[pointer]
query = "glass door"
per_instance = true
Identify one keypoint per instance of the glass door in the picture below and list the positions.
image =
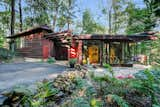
(115, 53)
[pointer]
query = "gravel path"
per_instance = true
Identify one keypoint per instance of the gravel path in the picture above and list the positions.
(27, 73)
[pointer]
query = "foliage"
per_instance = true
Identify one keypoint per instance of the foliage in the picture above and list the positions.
(2, 40)
(72, 61)
(80, 102)
(154, 47)
(5, 54)
(89, 24)
(109, 69)
(148, 84)
(118, 100)
(51, 60)
(80, 90)
(153, 6)
(141, 20)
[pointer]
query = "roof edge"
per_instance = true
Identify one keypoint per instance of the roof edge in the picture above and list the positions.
(31, 30)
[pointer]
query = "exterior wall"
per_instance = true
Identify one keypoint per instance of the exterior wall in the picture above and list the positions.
(102, 54)
(61, 52)
(34, 46)
(47, 48)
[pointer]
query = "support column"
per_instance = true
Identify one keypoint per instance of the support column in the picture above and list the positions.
(109, 52)
(123, 51)
(79, 51)
(101, 53)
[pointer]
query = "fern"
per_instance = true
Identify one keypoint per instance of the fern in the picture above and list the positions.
(115, 98)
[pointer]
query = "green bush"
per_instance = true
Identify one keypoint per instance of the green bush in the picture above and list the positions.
(51, 60)
(72, 61)
(5, 54)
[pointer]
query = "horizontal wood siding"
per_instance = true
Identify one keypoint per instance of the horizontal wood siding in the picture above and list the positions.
(32, 46)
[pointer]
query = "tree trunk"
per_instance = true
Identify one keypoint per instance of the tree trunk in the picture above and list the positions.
(55, 19)
(12, 16)
(68, 25)
(114, 17)
(109, 22)
(20, 16)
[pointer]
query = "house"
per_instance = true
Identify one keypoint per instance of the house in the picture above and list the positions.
(117, 50)
(30, 43)
(62, 43)
(41, 42)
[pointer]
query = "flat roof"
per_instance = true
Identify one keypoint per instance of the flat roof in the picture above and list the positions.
(108, 38)
(31, 31)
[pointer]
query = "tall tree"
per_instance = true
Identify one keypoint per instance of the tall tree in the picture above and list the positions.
(56, 7)
(115, 12)
(90, 26)
(67, 11)
(140, 19)
(153, 6)
(5, 19)
(37, 12)
(12, 16)
(20, 16)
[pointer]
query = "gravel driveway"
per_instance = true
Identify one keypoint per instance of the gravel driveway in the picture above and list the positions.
(27, 73)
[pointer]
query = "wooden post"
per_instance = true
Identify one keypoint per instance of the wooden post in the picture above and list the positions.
(101, 53)
(123, 53)
(109, 52)
(80, 44)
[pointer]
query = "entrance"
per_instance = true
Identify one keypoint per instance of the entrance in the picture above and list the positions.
(90, 52)
(115, 53)
(93, 54)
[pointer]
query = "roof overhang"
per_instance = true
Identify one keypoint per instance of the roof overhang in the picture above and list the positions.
(31, 31)
(116, 38)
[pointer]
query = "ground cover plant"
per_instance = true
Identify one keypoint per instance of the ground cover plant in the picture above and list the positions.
(6, 55)
(85, 89)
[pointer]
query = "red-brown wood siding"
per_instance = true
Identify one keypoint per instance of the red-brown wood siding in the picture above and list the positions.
(35, 46)
(61, 52)
(47, 48)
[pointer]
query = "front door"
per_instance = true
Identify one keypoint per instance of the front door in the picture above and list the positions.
(93, 52)
(115, 53)
(45, 51)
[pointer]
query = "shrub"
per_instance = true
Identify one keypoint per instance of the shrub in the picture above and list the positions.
(51, 60)
(5, 54)
(72, 61)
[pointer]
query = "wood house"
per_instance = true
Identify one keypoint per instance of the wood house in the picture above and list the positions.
(62, 42)
(31, 43)
(41, 42)
(117, 50)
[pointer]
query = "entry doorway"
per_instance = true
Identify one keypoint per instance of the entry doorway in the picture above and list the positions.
(91, 52)
(115, 53)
